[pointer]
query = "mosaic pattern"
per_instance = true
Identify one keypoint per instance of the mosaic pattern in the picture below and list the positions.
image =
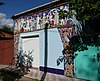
(16, 39)
(34, 21)
(66, 33)
(67, 51)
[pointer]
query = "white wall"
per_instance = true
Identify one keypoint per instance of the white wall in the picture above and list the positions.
(55, 48)
(30, 44)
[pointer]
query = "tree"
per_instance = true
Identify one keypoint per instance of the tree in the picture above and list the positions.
(86, 9)
(7, 29)
(1, 3)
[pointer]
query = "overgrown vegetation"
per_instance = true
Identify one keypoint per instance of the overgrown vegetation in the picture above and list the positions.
(10, 74)
(14, 74)
(35, 80)
(86, 9)
(88, 13)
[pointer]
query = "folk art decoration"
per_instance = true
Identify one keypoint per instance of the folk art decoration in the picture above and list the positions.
(16, 41)
(68, 26)
(66, 34)
(54, 17)
(72, 28)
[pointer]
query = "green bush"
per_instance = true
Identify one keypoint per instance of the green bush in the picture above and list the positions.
(8, 78)
(10, 74)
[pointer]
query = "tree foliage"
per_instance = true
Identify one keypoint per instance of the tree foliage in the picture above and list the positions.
(7, 29)
(86, 9)
(1, 3)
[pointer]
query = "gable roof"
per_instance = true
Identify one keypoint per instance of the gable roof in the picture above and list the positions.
(4, 35)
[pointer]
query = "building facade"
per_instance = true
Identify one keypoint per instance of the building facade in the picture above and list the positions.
(48, 32)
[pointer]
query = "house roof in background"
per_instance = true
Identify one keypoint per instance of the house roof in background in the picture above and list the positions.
(5, 35)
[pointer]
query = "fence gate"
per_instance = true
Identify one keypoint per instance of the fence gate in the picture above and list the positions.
(86, 64)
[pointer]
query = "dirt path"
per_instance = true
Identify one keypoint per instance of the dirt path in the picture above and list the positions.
(25, 79)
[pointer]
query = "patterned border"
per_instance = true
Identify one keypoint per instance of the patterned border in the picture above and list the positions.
(52, 70)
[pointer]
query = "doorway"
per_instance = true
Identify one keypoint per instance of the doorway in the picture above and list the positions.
(30, 44)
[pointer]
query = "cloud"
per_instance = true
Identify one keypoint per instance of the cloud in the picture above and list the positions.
(6, 22)
(9, 23)
(2, 15)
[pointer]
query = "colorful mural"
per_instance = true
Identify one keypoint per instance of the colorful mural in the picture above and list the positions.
(55, 17)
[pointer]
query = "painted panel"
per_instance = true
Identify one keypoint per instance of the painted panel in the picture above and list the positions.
(55, 48)
(42, 45)
(32, 45)
(86, 64)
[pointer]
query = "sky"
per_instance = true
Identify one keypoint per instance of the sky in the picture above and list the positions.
(12, 7)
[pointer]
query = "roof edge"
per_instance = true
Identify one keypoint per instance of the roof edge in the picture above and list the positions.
(35, 8)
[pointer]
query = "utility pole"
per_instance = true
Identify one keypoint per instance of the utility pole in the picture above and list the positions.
(45, 52)
(46, 48)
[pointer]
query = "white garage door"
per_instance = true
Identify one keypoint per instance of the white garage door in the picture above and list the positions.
(31, 44)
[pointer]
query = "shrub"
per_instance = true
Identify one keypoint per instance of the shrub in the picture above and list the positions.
(8, 78)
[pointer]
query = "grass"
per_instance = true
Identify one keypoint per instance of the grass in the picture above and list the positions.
(35, 80)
